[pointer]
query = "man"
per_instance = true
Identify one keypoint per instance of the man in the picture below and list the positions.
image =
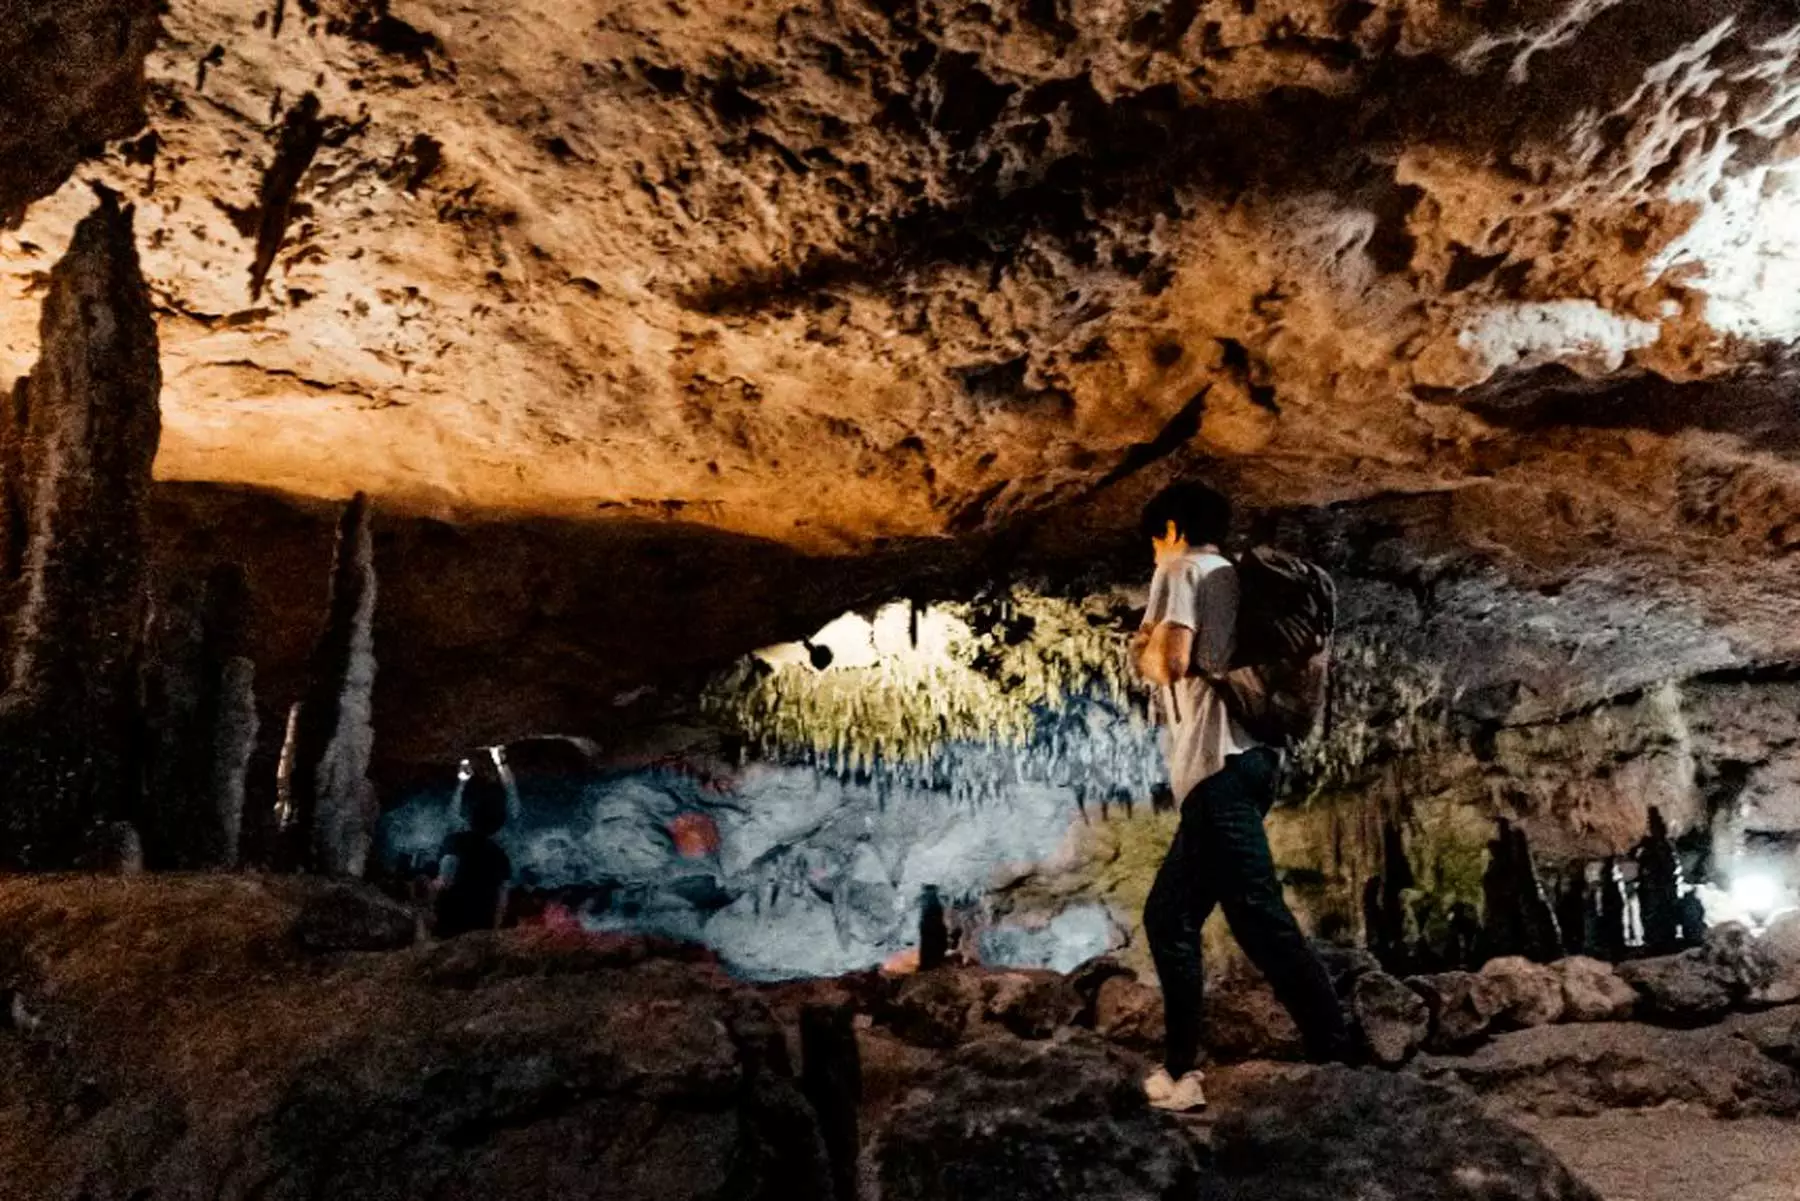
(473, 872)
(1226, 782)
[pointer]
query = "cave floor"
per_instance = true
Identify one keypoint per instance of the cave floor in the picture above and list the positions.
(1676, 1154)
(1672, 1153)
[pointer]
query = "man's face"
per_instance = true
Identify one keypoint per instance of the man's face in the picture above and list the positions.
(1168, 545)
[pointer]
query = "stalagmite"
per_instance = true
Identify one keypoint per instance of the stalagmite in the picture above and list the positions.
(228, 721)
(831, 1079)
(934, 932)
(332, 739)
(76, 448)
(201, 701)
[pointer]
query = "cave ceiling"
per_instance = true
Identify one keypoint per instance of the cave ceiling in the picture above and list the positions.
(1512, 280)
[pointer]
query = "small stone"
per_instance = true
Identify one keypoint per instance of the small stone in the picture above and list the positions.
(1593, 991)
(1395, 1020)
(1530, 993)
(1130, 1013)
(1463, 1007)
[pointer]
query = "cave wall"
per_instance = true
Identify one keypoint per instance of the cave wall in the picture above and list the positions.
(74, 80)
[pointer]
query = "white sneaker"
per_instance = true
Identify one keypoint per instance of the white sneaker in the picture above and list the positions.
(1186, 1095)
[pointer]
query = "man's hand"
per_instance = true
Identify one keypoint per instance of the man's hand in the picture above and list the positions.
(1162, 655)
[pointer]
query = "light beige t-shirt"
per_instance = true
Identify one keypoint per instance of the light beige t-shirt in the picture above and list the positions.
(1199, 590)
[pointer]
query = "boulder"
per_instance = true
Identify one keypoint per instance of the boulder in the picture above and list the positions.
(1581, 1070)
(201, 1052)
(1346, 965)
(1031, 1004)
(1463, 1007)
(1745, 963)
(1130, 1013)
(1592, 991)
(941, 1007)
(1245, 1021)
(1008, 1120)
(353, 917)
(1333, 1133)
(1091, 976)
(1530, 994)
(936, 1008)
(1680, 990)
(1780, 945)
(1394, 1019)
(1779, 1038)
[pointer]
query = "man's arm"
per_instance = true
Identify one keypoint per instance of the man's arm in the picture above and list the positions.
(1162, 652)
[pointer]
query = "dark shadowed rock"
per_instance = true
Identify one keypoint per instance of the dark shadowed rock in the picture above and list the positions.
(1091, 976)
(1032, 1004)
(353, 917)
(1007, 1120)
(1583, 1069)
(1593, 991)
(1346, 965)
(1394, 1019)
(1530, 994)
(1130, 1013)
(216, 1059)
(940, 1008)
(1779, 1039)
(1688, 989)
(1463, 1007)
(74, 72)
(1332, 1134)
(1245, 1021)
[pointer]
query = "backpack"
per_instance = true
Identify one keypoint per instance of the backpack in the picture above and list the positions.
(1278, 680)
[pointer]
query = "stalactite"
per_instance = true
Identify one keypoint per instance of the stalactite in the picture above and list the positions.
(333, 738)
(76, 448)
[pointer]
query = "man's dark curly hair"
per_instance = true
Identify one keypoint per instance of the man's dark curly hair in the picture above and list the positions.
(1200, 514)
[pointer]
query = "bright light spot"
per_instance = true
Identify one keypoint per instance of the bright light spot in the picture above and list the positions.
(1745, 244)
(1757, 895)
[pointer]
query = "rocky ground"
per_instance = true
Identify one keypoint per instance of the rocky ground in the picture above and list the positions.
(239, 1037)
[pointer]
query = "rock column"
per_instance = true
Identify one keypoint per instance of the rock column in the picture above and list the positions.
(831, 1079)
(332, 739)
(77, 441)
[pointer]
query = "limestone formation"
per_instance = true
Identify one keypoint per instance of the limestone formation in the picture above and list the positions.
(76, 446)
(960, 271)
(831, 1078)
(201, 688)
(332, 738)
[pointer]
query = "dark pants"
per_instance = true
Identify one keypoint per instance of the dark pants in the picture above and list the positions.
(1220, 856)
